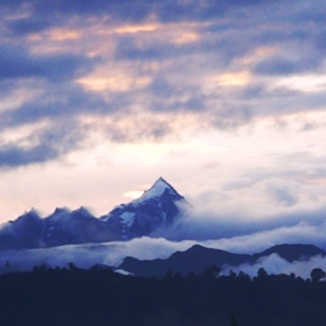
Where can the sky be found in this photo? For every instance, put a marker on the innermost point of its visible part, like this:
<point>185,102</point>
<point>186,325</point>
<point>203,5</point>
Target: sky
<point>226,100</point>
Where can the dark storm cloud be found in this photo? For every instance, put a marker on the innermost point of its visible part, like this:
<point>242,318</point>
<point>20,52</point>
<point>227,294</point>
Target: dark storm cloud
<point>130,10</point>
<point>261,99</point>
<point>170,97</point>
<point>206,10</point>
<point>232,39</point>
<point>282,66</point>
<point>262,91</point>
<point>50,144</point>
<point>232,116</point>
<point>16,62</point>
<point>320,42</point>
<point>61,105</point>
<point>12,4</point>
<point>193,10</point>
<point>13,156</point>
<point>144,129</point>
<point>169,11</point>
<point>58,101</point>
<point>315,14</point>
<point>136,10</point>
<point>220,50</point>
<point>127,49</point>
<point>176,87</point>
<point>25,26</point>
<point>299,47</point>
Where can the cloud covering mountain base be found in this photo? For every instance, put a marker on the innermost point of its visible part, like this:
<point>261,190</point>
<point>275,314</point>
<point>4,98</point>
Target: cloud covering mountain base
<point>113,253</point>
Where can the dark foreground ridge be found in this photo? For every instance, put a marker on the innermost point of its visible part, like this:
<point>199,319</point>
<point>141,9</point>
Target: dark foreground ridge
<point>101,297</point>
<point>198,258</point>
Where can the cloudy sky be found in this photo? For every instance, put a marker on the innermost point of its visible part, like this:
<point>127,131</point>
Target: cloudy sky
<point>224,99</point>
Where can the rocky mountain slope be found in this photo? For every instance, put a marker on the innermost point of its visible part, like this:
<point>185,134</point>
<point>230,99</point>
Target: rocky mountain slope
<point>160,206</point>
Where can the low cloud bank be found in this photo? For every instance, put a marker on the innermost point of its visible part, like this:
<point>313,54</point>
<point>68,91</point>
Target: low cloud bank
<point>274,264</point>
<point>231,233</point>
<point>113,253</point>
<point>86,256</point>
<point>241,230</point>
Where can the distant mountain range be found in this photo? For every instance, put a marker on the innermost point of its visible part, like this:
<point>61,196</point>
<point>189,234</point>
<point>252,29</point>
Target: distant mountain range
<point>198,258</point>
<point>160,206</point>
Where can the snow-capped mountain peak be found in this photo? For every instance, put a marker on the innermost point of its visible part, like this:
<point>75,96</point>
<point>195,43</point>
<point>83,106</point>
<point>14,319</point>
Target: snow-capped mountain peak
<point>157,207</point>
<point>158,188</point>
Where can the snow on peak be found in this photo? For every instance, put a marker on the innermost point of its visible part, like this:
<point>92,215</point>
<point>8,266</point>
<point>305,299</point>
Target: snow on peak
<point>156,190</point>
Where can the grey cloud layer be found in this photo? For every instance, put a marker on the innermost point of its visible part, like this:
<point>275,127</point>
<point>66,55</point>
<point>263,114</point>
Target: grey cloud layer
<point>27,26</point>
<point>227,34</point>
<point>49,145</point>
<point>16,62</point>
<point>112,254</point>
<point>299,226</point>
<point>136,10</point>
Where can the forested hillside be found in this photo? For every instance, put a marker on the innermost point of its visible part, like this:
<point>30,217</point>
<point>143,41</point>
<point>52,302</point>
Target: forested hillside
<point>101,297</point>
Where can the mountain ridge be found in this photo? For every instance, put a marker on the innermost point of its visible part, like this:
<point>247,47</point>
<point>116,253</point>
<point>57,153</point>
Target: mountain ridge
<point>157,207</point>
<point>199,258</point>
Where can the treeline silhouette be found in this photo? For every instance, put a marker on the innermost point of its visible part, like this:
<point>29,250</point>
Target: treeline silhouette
<point>99,296</point>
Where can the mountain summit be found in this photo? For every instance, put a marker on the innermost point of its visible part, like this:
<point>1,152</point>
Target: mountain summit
<point>158,189</point>
<point>158,207</point>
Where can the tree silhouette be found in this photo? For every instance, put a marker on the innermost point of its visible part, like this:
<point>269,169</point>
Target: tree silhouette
<point>317,274</point>
<point>6,266</point>
<point>233,322</point>
<point>99,296</point>
<point>262,273</point>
